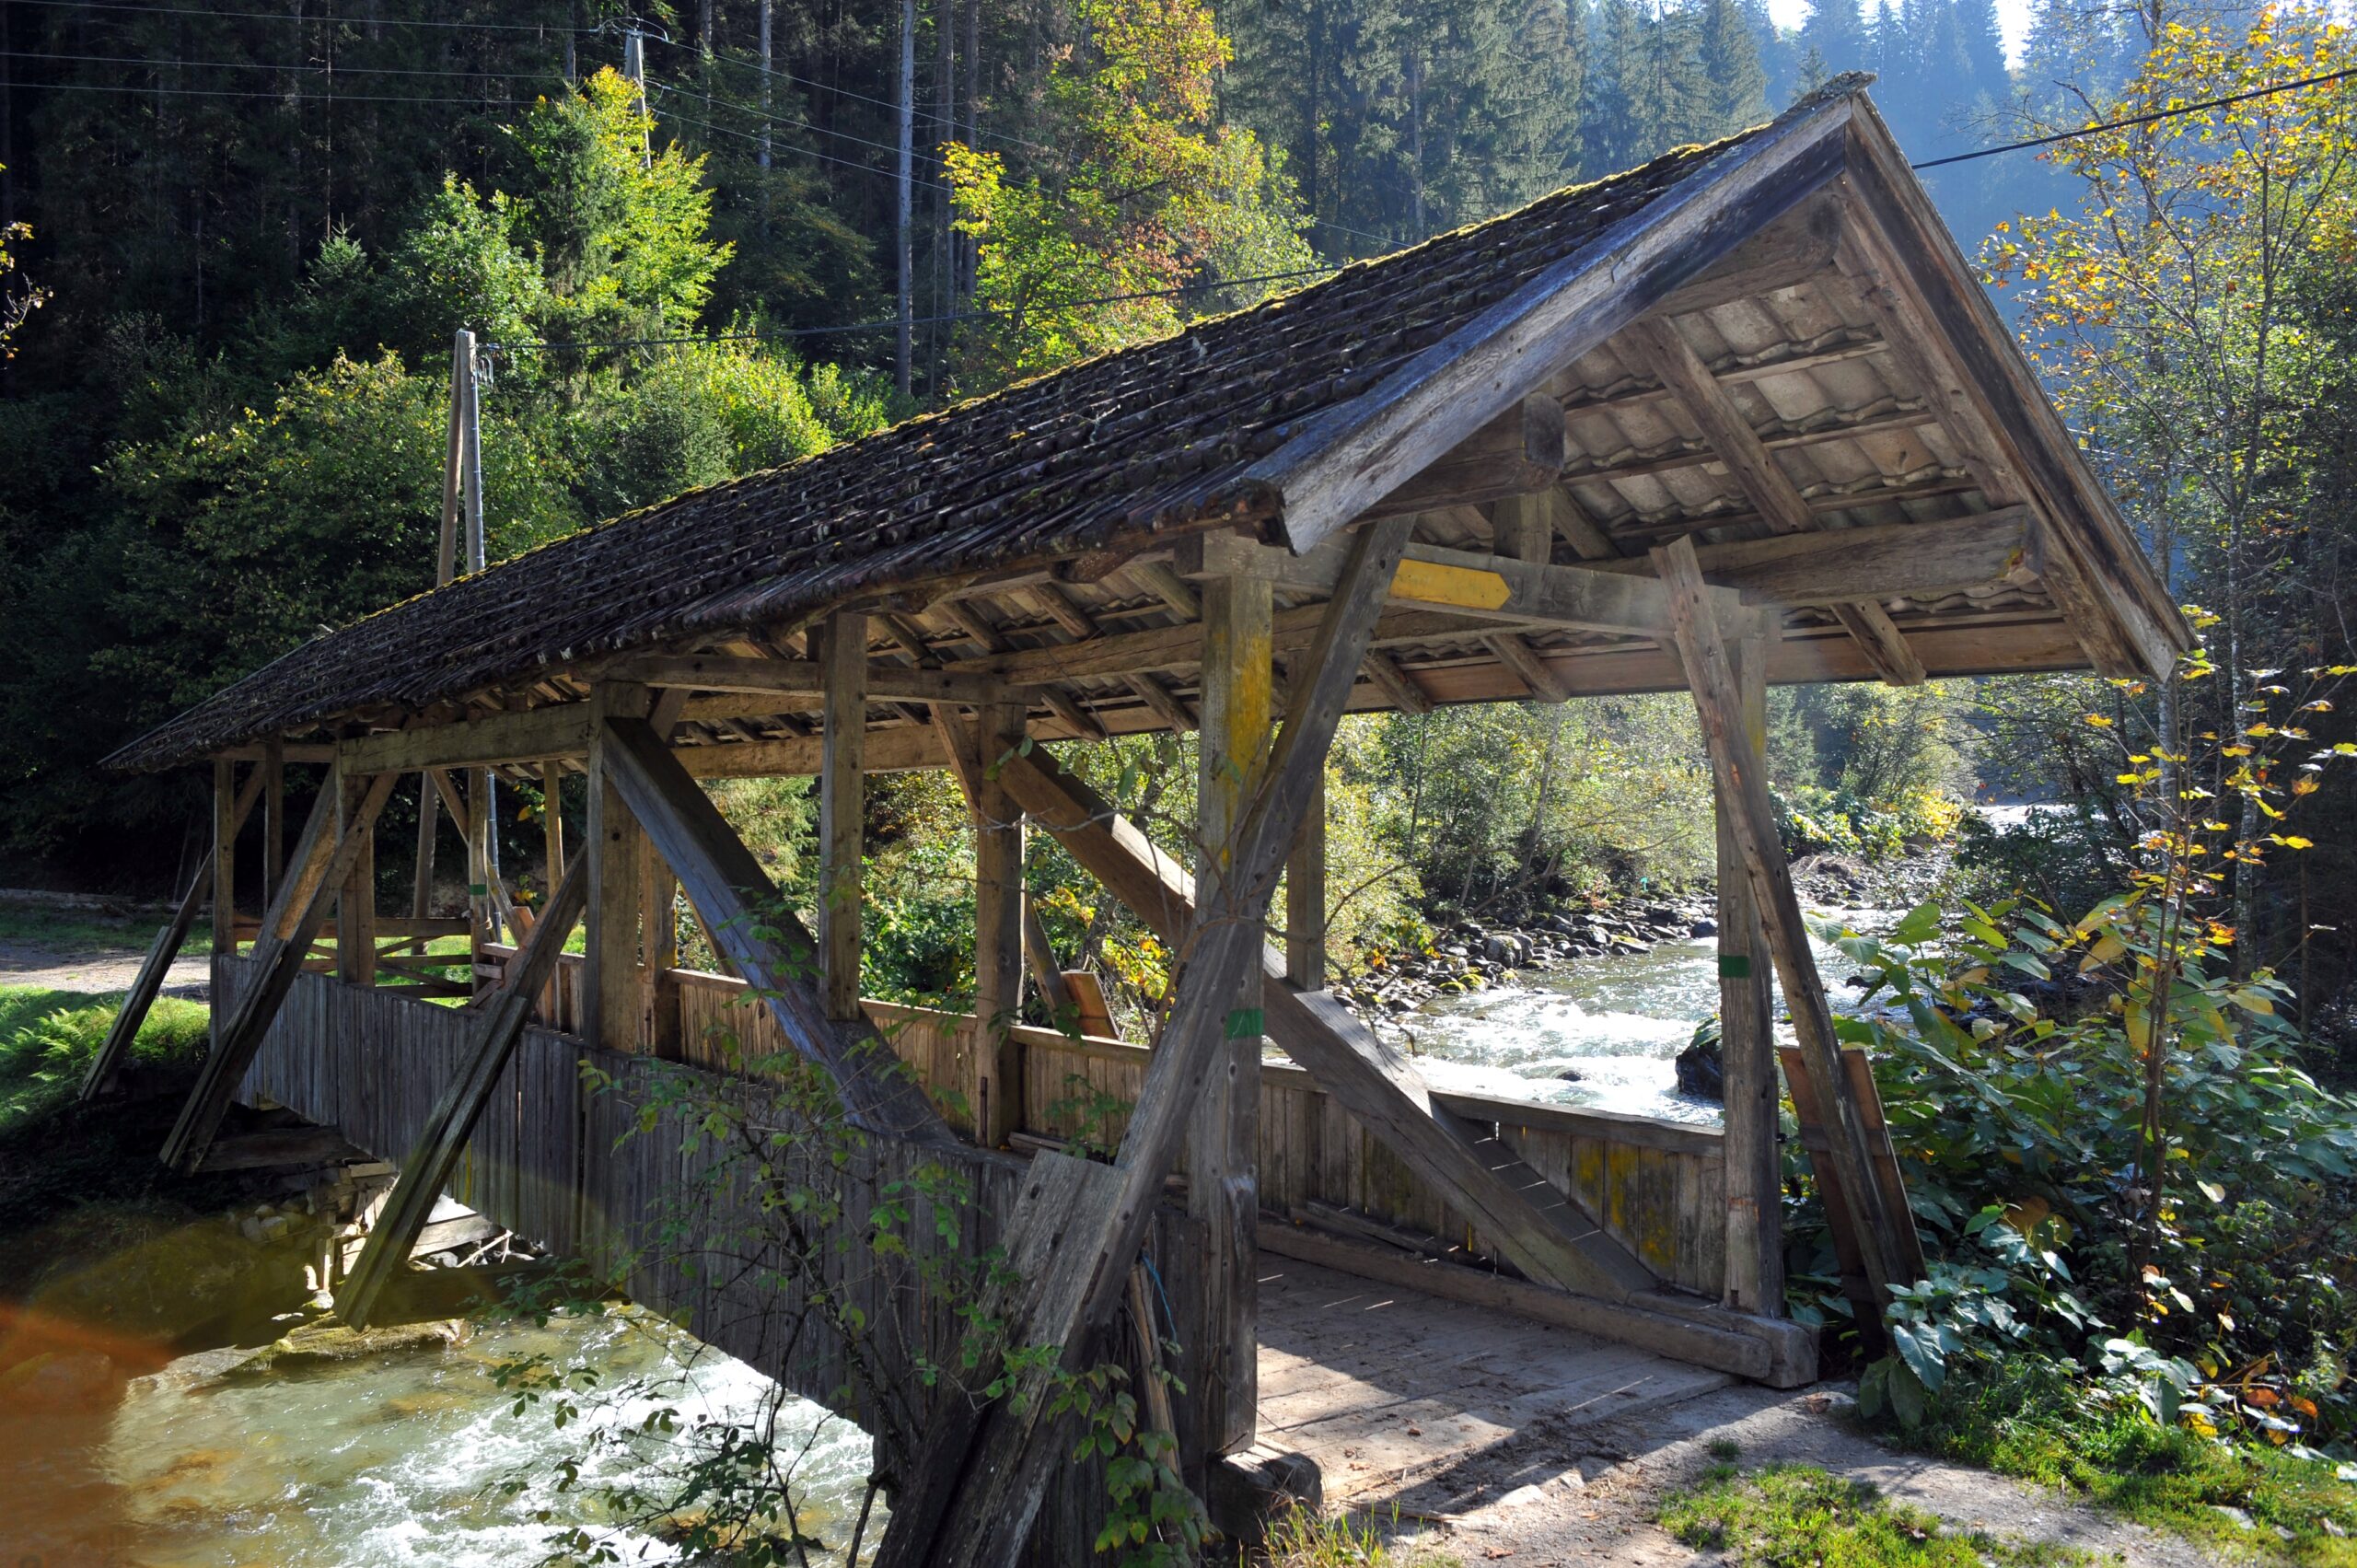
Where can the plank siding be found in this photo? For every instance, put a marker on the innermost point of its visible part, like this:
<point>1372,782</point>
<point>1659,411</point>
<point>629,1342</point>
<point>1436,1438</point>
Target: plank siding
<point>549,1160</point>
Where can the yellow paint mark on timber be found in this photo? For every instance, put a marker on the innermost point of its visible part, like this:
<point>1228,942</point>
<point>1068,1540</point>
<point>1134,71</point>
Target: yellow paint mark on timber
<point>1465,587</point>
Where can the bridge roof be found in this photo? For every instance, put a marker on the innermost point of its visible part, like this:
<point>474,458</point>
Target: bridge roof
<point>1830,365</point>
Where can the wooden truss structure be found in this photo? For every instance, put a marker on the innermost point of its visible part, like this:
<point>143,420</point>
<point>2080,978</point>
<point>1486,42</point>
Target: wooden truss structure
<point>1748,422</point>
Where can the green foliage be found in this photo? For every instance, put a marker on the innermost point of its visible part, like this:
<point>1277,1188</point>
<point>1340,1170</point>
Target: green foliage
<point>1798,1516</point>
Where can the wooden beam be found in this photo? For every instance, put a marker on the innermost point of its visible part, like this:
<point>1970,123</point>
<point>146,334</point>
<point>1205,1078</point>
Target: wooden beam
<point>1520,451</point>
<point>747,921</point>
<point>609,988</point>
<point>1897,217</point>
<point>1340,462</point>
<point>841,796</point>
<point>491,1035</point>
<point>1395,683</point>
<point>977,1486</point>
<point>1534,672</point>
<point>1884,562</point>
<point>1742,786</point>
<point>356,904</point>
<point>1524,535</point>
<point>274,816</point>
<point>145,987</point>
<point>1790,252</point>
<point>323,856</point>
<point>713,673</point>
<point>1223,1181</point>
<point>1756,473</point>
<point>527,735</point>
<point>483,908</point>
<point>1545,1233</point>
<point>996,1092</point>
<point>553,872</point>
<point>1306,900</point>
<point>1754,1175</point>
<point>225,862</point>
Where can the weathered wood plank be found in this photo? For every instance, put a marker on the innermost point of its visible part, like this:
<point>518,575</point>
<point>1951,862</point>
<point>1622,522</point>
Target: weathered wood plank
<point>769,947</point>
<point>841,792</point>
<point>527,734</point>
<point>1754,1180</point>
<point>996,1094</point>
<point>492,1033</point>
<point>1742,786</point>
<point>293,919</point>
<point>713,672</point>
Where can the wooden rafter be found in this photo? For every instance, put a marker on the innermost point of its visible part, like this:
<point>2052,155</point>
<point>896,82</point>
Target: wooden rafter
<point>1768,486</point>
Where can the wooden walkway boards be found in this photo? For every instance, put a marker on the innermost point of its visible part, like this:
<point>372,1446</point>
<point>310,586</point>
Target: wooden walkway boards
<point>1406,1398</point>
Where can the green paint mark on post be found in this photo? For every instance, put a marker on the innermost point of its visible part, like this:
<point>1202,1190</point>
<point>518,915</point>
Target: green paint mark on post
<point>1734,966</point>
<point>1244,1023</point>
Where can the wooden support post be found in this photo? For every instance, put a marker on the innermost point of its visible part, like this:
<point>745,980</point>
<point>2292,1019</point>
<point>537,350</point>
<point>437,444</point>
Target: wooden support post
<point>842,652</point>
<point>659,987</point>
<point>769,947</point>
<point>497,1024</point>
<point>1754,1253</point>
<point>1745,786</point>
<point>355,904</point>
<point>610,990</point>
<point>553,846</point>
<point>1306,899</point>
<point>1223,1183</point>
<point>321,860</point>
<point>974,1491</point>
<point>274,816</point>
<point>482,919</point>
<point>224,869</point>
<point>421,891</point>
<point>997,1088</point>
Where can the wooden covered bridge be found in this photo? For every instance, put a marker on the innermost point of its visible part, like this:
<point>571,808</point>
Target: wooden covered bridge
<point>1739,416</point>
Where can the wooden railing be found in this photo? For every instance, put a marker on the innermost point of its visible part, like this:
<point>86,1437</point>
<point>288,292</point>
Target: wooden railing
<point>572,1169</point>
<point>1658,1186</point>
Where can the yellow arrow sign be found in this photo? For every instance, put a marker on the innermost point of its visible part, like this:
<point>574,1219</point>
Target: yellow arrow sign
<point>1462,588</point>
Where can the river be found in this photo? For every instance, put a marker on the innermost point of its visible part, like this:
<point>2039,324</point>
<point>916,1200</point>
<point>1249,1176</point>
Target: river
<point>401,1459</point>
<point>1618,1022</point>
<point>397,1459</point>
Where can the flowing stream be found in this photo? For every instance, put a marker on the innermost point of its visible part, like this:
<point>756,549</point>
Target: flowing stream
<point>397,1459</point>
<point>1617,1023</point>
<point>402,1459</point>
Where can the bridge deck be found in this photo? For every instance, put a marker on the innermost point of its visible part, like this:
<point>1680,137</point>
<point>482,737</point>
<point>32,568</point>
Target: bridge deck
<point>1404,1397</point>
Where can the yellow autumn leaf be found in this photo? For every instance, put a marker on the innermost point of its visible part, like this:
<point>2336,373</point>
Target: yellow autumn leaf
<point>2292,840</point>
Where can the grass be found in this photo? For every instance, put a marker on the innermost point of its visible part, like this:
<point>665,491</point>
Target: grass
<point>2028,1424</point>
<point>1798,1516</point>
<point>1302,1538</point>
<point>70,929</point>
<point>47,1039</point>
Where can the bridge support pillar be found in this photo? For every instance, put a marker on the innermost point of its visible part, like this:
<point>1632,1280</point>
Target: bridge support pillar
<point>1755,1269</point>
<point>1223,1176</point>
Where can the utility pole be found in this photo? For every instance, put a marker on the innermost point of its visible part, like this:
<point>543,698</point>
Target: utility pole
<point>634,67</point>
<point>907,148</point>
<point>445,567</point>
<point>769,9</point>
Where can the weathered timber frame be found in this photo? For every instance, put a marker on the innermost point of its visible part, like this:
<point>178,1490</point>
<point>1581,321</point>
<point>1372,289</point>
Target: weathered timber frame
<point>1737,419</point>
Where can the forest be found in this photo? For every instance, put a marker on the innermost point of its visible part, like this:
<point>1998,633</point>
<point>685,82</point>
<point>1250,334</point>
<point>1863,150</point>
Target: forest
<point>697,240</point>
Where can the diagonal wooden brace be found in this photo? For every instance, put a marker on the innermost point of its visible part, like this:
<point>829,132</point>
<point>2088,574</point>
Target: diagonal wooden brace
<point>499,1020</point>
<point>1887,1243</point>
<point>777,956</point>
<point>322,859</point>
<point>149,982</point>
<point>1549,1236</point>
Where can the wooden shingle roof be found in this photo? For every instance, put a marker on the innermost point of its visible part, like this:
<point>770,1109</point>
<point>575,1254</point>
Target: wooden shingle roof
<point>1292,418</point>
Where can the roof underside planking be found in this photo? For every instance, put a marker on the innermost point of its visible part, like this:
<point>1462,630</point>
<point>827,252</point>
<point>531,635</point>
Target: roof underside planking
<point>1769,346</point>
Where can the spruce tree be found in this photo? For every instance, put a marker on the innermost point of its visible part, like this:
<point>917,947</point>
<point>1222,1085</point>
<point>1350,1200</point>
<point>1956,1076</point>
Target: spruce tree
<point>1735,79</point>
<point>1608,128</point>
<point>1835,31</point>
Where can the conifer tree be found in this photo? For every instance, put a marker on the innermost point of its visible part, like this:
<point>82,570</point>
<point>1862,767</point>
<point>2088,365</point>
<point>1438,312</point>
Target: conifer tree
<point>1733,77</point>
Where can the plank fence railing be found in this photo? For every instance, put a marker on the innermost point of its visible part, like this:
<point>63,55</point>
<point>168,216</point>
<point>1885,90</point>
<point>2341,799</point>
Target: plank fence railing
<point>549,1160</point>
<point>1659,1187</point>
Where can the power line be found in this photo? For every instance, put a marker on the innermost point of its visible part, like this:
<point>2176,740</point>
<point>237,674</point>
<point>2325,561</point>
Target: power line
<point>780,147</point>
<point>773,120</point>
<point>304,68</point>
<point>2135,120</point>
<point>557,27</point>
<point>279,97</point>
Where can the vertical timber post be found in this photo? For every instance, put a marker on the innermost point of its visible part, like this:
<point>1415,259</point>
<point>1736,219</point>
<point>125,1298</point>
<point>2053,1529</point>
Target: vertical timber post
<point>997,1090</point>
<point>610,991</point>
<point>1223,1187</point>
<point>356,903</point>
<point>659,986</point>
<point>274,816</point>
<point>842,798</point>
<point>553,844</point>
<point>481,928</point>
<point>225,863</point>
<point>1755,1260</point>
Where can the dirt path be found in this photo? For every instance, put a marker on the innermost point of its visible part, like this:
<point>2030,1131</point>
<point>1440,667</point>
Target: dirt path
<point>100,970</point>
<point>1597,1507</point>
